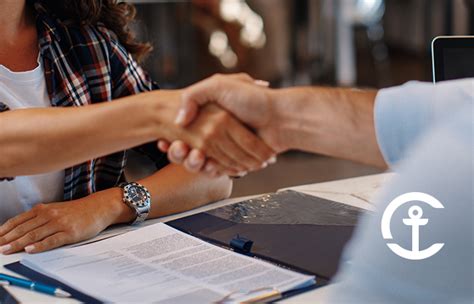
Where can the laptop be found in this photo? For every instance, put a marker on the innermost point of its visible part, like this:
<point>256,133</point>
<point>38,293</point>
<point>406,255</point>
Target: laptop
<point>452,57</point>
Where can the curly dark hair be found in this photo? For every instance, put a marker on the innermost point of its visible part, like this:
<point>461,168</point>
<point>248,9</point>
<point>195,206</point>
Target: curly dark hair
<point>115,15</point>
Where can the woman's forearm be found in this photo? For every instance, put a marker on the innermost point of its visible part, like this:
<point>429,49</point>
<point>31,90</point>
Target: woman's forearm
<point>335,122</point>
<point>173,189</point>
<point>33,141</point>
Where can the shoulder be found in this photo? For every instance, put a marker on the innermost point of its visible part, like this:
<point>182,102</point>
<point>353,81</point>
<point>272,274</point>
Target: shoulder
<point>94,52</point>
<point>97,40</point>
<point>89,48</point>
<point>71,37</point>
<point>404,113</point>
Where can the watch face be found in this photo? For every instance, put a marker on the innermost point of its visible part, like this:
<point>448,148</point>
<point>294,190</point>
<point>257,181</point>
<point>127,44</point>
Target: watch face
<point>138,196</point>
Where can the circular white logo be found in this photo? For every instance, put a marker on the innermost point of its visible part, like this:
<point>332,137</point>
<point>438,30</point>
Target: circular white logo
<point>415,220</point>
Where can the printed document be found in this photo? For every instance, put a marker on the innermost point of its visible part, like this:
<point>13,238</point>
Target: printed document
<point>160,264</point>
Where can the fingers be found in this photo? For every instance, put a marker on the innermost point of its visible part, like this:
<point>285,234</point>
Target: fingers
<point>195,161</point>
<point>223,138</point>
<point>163,145</point>
<point>71,218</point>
<point>178,151</point>
<point>195,96</point>
<point>227,153</point>
<point>213,169</point>
<point>262,83</point>
<point>239,76</point>
<point>56,240</point>
<point>259,153</point>
<point>247,78</point>
<point>240,153</point>
<point>187,111</point>
<point>224,154</point>
<point>55,224</point>
<point>31,237</point>
<point>13,222</point>
<point>28,228</point>
<point>22,230</point>
<point>215,127</point>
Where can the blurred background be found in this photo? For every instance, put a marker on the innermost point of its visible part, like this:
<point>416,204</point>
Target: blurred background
<point>364,43</point>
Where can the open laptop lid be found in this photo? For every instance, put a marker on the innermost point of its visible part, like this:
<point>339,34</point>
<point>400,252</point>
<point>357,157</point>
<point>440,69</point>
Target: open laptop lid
<point>452,57</point>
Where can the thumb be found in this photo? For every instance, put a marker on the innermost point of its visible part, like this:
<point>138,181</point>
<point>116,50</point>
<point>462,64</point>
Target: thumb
<point>210,90</point>
<point>188,111</point>
<point>193,97</point>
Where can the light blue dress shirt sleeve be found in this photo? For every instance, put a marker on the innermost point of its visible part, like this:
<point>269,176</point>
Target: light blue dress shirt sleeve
<point>441,165</point>
<point>426,132</point>
<point>404,113</point>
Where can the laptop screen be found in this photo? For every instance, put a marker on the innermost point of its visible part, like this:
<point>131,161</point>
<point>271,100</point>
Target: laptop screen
<point>453,57</point>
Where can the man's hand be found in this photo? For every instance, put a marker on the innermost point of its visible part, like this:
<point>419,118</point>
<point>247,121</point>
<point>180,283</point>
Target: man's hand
<point>247,99</point>
<point>234,149</point>
<point>48,226</point>
<point>244,97</point>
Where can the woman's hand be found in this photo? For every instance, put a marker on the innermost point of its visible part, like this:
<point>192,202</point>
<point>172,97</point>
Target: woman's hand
<point>220,136</point>
<point>245,98</point>
<point>48,226</point>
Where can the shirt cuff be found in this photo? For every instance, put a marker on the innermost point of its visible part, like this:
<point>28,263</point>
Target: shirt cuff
<point>400,115</point>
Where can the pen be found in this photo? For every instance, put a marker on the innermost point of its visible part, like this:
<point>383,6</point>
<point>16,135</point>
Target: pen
<point>265,298</point>
<point>39,287</point>
<point>269,296</point>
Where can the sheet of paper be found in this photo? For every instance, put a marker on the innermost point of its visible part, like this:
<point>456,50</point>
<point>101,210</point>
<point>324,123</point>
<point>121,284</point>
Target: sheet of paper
<point>162,265</point>
<point>359,191</point>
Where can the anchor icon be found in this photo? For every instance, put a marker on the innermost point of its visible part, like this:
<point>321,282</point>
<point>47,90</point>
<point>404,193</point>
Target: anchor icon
<point>414,220</point>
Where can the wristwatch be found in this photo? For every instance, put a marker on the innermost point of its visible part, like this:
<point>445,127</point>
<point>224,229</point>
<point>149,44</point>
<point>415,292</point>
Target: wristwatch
<point>138,198</point>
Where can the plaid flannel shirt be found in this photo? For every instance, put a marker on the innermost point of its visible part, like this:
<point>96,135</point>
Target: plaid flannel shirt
<point>85,65</point>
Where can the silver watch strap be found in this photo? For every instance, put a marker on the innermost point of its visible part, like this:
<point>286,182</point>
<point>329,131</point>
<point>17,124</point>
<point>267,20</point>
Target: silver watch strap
<point>141,217</point>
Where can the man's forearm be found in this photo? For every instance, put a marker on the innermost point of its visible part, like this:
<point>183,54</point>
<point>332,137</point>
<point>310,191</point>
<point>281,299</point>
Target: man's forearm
<point>330,121</point>
<point>33,141</point>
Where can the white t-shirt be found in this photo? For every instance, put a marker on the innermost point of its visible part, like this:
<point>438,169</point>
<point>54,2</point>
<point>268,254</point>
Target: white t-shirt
<point>26,90</point>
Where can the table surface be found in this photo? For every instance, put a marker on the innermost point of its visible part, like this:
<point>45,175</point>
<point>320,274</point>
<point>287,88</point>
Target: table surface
<point>359,192</point>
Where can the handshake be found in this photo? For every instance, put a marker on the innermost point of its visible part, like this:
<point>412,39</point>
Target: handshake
<point>233,124</point>
<point>224,125</point>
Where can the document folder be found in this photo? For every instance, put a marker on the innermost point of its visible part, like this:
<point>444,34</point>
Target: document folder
<point>289,228</point>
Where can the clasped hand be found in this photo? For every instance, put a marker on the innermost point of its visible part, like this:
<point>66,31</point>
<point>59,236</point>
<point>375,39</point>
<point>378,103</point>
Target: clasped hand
<point>217,134</point>
<point>247,103</point>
